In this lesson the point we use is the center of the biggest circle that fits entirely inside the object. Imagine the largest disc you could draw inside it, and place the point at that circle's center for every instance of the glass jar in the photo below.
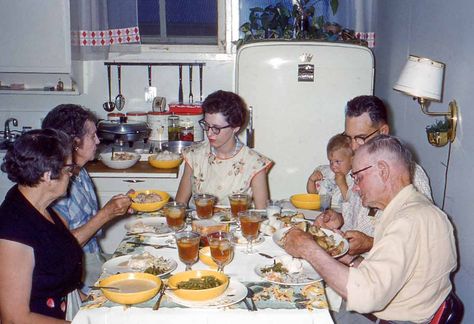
(186, 131)
(173, 128)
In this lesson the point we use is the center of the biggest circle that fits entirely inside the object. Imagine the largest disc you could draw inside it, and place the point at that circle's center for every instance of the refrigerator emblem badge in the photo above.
(306, 57)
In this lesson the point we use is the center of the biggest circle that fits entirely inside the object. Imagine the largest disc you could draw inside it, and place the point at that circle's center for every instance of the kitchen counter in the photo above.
(140, 169)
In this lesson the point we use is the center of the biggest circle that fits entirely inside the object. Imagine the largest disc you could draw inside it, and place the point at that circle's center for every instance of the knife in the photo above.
(160, 296)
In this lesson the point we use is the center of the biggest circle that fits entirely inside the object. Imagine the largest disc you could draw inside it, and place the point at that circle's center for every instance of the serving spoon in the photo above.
(120, 99)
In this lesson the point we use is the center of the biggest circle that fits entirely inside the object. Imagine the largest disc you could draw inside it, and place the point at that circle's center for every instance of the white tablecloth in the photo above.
(241, 268)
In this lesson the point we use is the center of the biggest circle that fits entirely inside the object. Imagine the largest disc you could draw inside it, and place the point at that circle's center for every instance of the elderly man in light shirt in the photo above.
(366, 117)
(397, 280)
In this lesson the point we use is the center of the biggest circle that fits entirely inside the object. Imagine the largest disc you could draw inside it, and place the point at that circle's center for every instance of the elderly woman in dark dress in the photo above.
(41, 261)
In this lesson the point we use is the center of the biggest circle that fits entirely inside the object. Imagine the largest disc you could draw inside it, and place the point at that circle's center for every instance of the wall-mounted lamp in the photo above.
(422, 79)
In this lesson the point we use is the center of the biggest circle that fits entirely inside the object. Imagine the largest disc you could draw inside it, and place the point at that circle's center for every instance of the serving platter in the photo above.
(279, 234)
(120, 265)
(158, 224)
(235, 292)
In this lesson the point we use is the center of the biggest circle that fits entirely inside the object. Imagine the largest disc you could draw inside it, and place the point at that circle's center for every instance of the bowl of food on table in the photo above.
(130, 288)
(148, 200)
(306, 201)
(165, 160)
(198, 285)
(119, 160)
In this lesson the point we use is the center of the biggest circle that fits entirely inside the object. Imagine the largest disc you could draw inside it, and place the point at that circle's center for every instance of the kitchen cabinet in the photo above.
(35, 36)
(110, 182)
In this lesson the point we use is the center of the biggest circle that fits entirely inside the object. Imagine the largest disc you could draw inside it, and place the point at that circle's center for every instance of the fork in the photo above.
(160, 296)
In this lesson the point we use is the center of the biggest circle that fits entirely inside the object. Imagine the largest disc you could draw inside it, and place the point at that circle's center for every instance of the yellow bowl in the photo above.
(206, 258)
(198, 295)
(149, 207)
(306, 201)
(145, 287)
(164, 164)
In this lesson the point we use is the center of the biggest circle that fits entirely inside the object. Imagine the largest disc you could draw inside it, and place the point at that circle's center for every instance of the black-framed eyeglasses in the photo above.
(354, 174)
(360, 139)
(206, 127)
(70, 168)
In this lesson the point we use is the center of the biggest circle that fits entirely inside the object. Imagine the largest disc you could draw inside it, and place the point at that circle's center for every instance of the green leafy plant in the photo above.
(280, 22)
(440, 126)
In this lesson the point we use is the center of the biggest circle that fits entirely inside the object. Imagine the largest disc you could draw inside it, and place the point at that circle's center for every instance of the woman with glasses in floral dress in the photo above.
(223, 165)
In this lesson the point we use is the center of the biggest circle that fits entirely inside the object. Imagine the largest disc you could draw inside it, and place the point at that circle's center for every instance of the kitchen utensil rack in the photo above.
(156, 63)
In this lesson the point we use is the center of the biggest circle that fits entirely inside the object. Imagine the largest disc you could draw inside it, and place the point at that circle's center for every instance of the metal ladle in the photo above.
(109, 106)
(120, 99)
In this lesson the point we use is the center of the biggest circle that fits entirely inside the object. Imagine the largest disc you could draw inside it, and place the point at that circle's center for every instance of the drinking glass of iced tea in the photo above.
(175, 214)
(238, 203)
(204, 205)
(250, 221)
(188, 247)
(222, 249)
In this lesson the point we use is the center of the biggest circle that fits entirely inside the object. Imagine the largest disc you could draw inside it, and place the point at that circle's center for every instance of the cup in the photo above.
(204, 205)
(188, 247)
(272, 208)
(238, 203)
(325, 201)
(250, 221)
(222, 249)
(175, 214)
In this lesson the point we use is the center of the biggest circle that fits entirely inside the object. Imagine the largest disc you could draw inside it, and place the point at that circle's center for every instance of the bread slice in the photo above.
(207, 226)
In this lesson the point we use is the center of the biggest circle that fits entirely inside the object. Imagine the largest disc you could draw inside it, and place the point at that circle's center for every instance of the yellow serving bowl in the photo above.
(164, 164)
(149, 207)
(306, 201)
(149, 283)
(206, 258)
(198, 295)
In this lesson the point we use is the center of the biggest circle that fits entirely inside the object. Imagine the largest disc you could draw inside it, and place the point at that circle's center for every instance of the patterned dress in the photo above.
(223, 177)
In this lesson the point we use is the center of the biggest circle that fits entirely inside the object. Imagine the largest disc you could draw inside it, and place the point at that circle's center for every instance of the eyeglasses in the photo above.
(70, 168)
(360, 139)
(216, 130)
(354, 174)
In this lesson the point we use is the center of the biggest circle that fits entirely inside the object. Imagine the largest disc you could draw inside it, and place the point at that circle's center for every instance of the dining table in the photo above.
(288, 302)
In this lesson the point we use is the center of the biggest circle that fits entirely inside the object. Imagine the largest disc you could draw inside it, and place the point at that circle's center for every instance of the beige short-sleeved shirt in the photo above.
(405, 276)
(223, 177)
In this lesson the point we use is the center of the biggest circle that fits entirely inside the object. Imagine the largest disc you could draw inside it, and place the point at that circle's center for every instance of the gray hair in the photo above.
(393, 147)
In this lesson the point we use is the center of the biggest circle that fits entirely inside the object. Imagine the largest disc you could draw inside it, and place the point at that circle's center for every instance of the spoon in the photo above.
(104, 287)
(120, 99)
(109, 106)
(180, 88)
(191, 97)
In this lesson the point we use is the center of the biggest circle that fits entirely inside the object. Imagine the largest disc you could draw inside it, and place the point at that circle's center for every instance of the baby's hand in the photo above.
(316, 176)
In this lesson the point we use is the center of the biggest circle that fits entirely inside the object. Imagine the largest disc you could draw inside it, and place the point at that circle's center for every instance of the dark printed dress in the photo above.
(58, 256)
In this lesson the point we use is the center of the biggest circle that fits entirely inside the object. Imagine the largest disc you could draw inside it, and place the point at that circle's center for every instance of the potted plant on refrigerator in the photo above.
(298, 22)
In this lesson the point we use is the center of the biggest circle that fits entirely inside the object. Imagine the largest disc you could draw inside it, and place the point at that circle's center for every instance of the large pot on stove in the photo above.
(117, 132)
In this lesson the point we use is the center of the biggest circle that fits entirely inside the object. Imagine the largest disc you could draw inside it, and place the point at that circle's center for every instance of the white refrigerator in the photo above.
(297, 93)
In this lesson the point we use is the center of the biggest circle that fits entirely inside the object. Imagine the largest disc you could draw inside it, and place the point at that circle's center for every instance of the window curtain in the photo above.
(96, 25)
(357, 15)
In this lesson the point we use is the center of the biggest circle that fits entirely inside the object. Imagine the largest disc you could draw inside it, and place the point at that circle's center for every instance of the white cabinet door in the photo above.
(35, 36)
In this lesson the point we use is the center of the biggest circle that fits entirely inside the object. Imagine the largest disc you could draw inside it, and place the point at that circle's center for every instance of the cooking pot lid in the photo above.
(122, 128)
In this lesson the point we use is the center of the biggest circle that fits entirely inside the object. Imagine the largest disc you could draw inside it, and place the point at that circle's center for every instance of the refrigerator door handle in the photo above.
(250, 130)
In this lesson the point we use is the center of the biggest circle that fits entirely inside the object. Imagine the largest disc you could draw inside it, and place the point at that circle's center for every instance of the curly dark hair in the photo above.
(69, 118)
(231, 105)
(372, 105)
(34, 153)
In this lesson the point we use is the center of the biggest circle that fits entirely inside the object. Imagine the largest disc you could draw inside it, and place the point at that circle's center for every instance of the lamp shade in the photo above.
(422, 78)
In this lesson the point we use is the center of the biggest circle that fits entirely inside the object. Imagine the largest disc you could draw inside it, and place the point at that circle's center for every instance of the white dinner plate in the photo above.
(160, 228)
(232, 295)
(120, 265)
(278, 235)
(305, 277)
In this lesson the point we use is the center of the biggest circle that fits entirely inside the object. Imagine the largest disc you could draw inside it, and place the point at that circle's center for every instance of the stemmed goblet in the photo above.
(188, 247)
(222, 249)
(250, 221)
